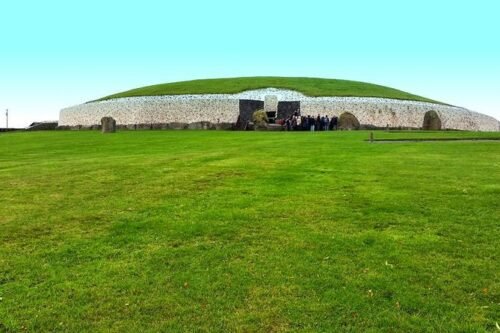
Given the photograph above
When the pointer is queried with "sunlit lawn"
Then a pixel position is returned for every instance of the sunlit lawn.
(182, 231)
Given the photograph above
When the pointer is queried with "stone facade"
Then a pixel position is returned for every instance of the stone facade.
(287, 109)
(160, 111)
(246, 110)
(151, 110)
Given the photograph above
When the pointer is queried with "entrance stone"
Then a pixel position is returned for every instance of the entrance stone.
(347, 121)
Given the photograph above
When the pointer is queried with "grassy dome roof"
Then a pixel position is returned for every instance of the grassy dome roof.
(314, 87)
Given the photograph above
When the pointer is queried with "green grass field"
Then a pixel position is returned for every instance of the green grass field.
(309, 86)
(208, 231)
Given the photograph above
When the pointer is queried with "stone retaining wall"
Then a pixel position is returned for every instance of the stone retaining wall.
(151, 110)
(225, 109)
(395, 113)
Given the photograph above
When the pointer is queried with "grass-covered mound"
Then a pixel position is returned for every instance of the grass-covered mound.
(309, 86)
(205, 231)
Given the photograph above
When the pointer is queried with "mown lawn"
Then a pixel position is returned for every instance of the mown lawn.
(184, 231)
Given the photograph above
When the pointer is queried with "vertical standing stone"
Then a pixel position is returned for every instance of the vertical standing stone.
(108, 125)
(271, 103)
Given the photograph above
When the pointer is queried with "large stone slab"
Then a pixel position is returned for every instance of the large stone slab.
(247, 108)
(271, 103)
(108, 125)
(287, 109)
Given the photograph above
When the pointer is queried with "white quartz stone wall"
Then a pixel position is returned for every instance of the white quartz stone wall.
(224, 108)
(395, 113)
(152, 110)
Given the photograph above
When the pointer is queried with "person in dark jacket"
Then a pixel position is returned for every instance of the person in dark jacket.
(333, 123)
(311, 123)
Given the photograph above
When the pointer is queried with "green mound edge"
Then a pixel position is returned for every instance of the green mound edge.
(313, 87)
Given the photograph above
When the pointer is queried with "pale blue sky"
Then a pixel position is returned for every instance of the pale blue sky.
(55, 54)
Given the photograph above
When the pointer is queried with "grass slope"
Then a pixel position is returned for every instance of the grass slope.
(248, 232)
(308, 86)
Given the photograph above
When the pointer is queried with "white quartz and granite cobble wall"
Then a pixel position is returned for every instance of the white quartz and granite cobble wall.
(224, 108)
(396, 113)
(152, 110)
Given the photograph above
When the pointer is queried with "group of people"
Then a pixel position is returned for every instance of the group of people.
(302, 123)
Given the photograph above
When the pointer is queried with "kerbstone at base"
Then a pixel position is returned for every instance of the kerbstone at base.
(108, 125)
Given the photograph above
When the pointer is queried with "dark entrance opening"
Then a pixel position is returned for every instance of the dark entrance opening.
(287, 109)
(347, 121)
(247, 108)
(271, 117)
(431, 121)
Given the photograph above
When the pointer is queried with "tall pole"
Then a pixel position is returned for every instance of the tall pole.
(7, 118)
